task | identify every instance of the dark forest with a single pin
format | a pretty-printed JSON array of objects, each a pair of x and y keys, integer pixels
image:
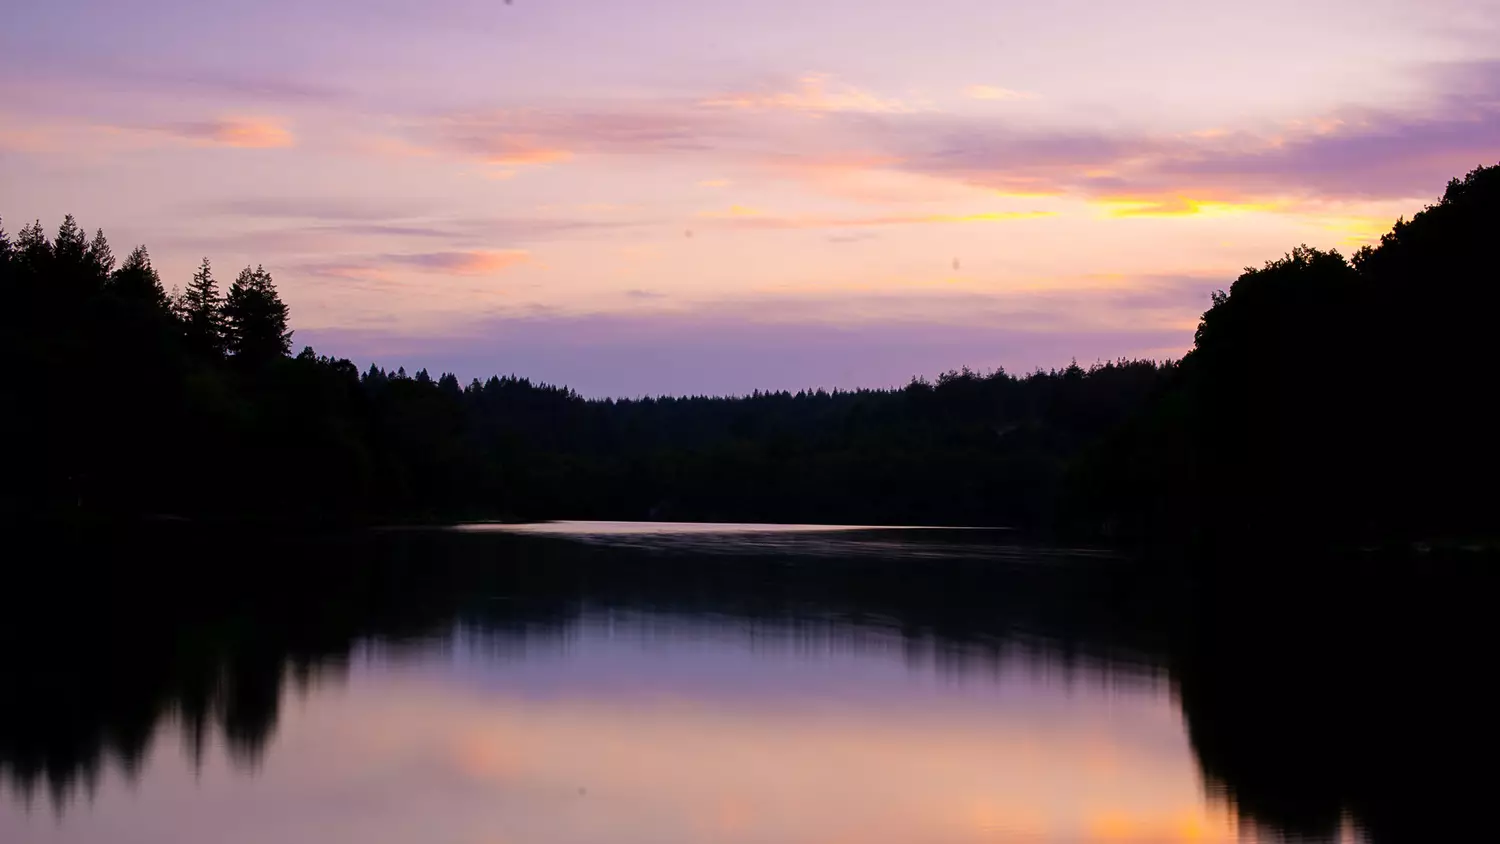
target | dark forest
[{"x": 1342, "y": 397}]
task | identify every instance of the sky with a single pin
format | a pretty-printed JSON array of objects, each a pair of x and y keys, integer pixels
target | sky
[{"x": 639, "y": 197}]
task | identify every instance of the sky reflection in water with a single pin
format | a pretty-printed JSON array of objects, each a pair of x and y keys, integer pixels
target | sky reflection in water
[{"x": 634, "y": 725}]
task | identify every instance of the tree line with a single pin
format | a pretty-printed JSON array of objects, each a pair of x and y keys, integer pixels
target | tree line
[
  {"x": 1326, "y": 396},
  {"x": 1346, "y": 396}
]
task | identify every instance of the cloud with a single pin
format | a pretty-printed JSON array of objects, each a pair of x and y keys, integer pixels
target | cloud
[
  {"x": 644, "y": 294},
  {"x": 852, "y": 237},
  {"x": 1178, "y": 206},
  {"x": 478, "y": 262},
  {"x": 339, "y": 208},
  {"x": 219, "y": 85},
  {"x": 24, "y": 140},
  {"x": 508, "y": 150},
  {"x": 348, "y": 271},
  {"x": 244, "y": 132},
  {"x": 1350, "y": 155},
  {"x": 524, "y": 137},
  {"x": 715, "y": 183},
  {"x": 744, "y": 217},
  {"x": 814, "y": 93},
  {"x": 311, "y": 220},
  {"x": 991, "y": 92}
]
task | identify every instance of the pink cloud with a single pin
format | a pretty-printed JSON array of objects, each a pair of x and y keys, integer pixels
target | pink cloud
[
  {"x": 476, "y": 262},
  {"x": 815, "y": 93},
  {"x": 244, "y": 132},
  {"x": 862, "y": 138},
  {"x": 742, "y": 217},
  {"x": 992, "y": 92}
]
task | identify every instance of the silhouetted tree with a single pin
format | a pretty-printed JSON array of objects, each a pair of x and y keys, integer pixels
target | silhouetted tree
[
  {"x": 137, "y": 280},
  {"x": 1320, "y": 397},
  {"x": 70, "y": 246},
  {"x": 100, "y": 256},
  {"x": 1327, "y": 400},
  {"x": 201, "y": 311},
  {"x": 32, "y": 250},
  {"x": 256, "y": 319}
]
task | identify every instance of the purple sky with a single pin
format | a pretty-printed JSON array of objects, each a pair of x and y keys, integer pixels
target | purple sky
[{"x": 668, "y": 196}]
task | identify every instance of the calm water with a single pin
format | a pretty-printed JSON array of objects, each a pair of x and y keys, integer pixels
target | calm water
[{"x": 663, "y": 683}]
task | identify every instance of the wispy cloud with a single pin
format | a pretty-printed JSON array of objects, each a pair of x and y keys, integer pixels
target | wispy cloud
[
  {"x": 1350, "y": 155},
  {"x": 816, "y": 93},
  {"x": 524, "y": 137},
  {"x": 508, "y": 150},
  {"x": 244, "y": 132},
  {"x": 992, "y": 92},
  {"x": 378, "y": 217},
  {"x": 478, "y": 262},
  {"x": 746, "y": 217},
  {"x": 337, "y": 208},
  {"x": 23, "y": 139},
  {"x": 852, "y": 237},
  {"x": 265, "y": 88}
]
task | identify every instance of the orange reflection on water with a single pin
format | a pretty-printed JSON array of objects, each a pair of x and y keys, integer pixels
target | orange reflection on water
[
  {"x": 614, "y": 741},
  {"x": 666, "y": 769}
]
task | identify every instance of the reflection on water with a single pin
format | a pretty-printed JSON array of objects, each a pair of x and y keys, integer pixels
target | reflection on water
[
  {"x": 790, "y": 540},
  {"x": 486, "y": 686}
]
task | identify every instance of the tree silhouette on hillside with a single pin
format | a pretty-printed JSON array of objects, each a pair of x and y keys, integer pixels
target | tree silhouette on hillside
[
  {"x": 255, "y": 318},
  {"x": 1321, "y": 396}
]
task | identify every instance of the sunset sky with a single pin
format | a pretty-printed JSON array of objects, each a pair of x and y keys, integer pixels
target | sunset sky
[{"x": 669, "y": 196}]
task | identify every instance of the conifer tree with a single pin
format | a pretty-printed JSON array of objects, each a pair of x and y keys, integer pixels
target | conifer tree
[
  {"x": 32, "y": 249},
  {"x": 137, "y": 280},
  {"x": 201, "y": 310},
  {"x": 100, "y": 256},
  {"x": 255, "y": 318},
  {"x": 70, "y": 247}
]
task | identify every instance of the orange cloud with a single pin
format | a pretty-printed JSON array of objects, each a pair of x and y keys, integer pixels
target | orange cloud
[
  {"x": 350, "y": 272},
  {"x": 1359, "y": 229},
  {"x": 514, "y": 151},
  {"x": 815, "y": 93},
  {"x": 529, "y": 137},
  {"x": 715, "y": 183},
  {"x": 476, "y": 262},
  {"x": 243, "y": 132},
  {"x": 1178, "y": 206},
  {"x": 742, "y": 216},
  {"x": 991, "y": 92},
  {"x": 24, "y": 140}
]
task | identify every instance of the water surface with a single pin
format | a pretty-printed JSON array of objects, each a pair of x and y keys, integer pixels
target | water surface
[{"x": 586, "y": 682}]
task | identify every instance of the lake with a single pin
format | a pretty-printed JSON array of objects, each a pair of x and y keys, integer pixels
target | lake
[{"x": 589, "y": 682}]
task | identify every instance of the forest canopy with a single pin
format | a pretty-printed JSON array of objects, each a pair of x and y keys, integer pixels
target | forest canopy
[{"x": 1347, "y": 396}]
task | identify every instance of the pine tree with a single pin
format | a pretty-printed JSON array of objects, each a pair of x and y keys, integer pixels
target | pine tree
[
  {"x": 256, "y": 318},
  {"x": 100, "y": 256},
  {"x": 32, "y": 248},
  {"x": 201, "y": 310},
  {"x": 6, "y": 253},
  {"x": 138, "y": 281},
  {"x": 70, "y": 247},
  {"x": 74, "y": 275}
]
